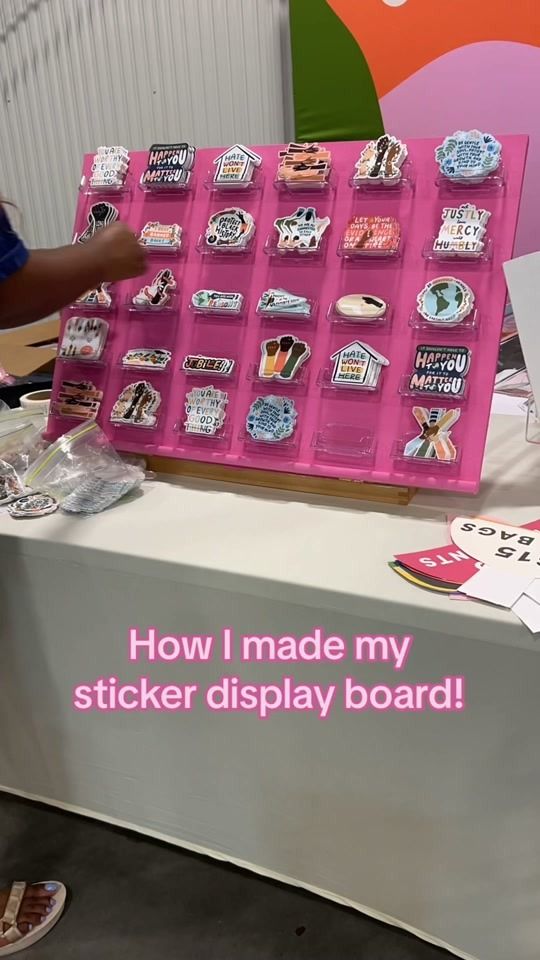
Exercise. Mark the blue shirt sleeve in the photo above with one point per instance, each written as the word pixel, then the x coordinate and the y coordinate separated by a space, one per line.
pixel 13 253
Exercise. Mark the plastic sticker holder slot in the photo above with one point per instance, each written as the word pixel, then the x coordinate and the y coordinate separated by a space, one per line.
pixel 346 442
pixel 295 254
pixel 172 253
pixel 422 463
pixel 55 410
pixel 492 183
pixel 144 309
pixel 324 381
pixel 217 313
pixel 457 256
pixel 287 449
pixel 106 190
pixel 469 324
pixel 426 395
pixel 320 188
pixel 144 369
pixel 243 187
pixel 92 307
pixel 339 320
pixel 388 187
pixel 298 384
pixel 382 255
pixel 96 364
pixel 220 439
pixel 178 190
pixel 225 251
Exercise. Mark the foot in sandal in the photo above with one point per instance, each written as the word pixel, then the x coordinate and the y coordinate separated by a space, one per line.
pixel 27 913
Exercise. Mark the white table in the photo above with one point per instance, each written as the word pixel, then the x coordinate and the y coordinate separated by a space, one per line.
pixel 427 820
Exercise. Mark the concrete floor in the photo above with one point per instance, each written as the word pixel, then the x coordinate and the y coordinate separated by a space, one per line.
pixel 140 900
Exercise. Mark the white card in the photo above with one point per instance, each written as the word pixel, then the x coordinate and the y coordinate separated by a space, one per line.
pixel 495 586
pixel 528 611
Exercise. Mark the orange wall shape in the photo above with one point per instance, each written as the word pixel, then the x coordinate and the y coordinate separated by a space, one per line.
pixel 398 41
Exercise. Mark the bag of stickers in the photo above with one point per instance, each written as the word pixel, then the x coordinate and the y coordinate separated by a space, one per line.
pixel 83 471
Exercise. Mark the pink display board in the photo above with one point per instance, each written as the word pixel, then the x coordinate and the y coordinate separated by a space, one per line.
pixel 340 432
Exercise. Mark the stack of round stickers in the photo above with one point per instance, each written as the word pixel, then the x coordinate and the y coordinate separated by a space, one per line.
pixel 271 418
pixel 109 167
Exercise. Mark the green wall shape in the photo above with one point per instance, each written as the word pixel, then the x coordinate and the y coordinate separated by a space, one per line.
pixel 334 94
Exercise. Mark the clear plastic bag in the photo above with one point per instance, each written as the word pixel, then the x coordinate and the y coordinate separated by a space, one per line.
pixel 83 471
pixel 20 445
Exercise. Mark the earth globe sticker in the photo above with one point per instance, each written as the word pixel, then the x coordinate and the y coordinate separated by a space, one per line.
pixel 468 155
pixel 445 301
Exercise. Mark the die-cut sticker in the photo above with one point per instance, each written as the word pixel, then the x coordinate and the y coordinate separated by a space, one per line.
pixel 231 228
pixel 217 300
pixel 281 359
pixel 201 364
pixel 302 230
pixel 304 163
pixel 159 236
pixel 271 419
pixel 468 154
pixel 440 369
pixel 205 410
pixel 381 160
pixel 236 165
pixel 100 215
pixel 84 338
pixel 156 358
pixel 32 505
pixel 361 306
pixel 445 301
pixel 109 167
pixel 277 300
pixel 80 399
pixel 157 293
pixel 371 234
pixel 98 297
pixel 168 165
pixel 433 443
pixel 137 405
pixel 462 230
pixel 358 365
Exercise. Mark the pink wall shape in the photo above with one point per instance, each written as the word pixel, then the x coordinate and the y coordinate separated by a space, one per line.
pixel 491 86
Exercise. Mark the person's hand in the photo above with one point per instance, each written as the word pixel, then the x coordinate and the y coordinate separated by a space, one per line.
pixel 118 252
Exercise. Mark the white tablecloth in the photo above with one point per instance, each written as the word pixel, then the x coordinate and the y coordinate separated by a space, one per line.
pixel 427 820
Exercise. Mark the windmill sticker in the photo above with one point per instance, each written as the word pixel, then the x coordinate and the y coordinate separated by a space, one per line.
pixel 433 443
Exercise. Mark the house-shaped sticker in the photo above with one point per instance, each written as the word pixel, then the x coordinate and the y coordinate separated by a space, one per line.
pixel 358 365
pixel 236 165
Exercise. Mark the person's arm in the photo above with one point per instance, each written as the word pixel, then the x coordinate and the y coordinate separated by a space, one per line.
pixel 40 282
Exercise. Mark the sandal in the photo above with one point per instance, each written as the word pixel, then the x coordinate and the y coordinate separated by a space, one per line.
pixel 20 941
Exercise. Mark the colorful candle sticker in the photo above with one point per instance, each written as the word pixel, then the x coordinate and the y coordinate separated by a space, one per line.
pixel 445 301
pixel 440 369
pixel 271 419
pixel 357 365
pixel 433 442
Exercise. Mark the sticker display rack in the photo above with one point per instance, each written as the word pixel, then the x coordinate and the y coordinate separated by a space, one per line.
pixel 343 433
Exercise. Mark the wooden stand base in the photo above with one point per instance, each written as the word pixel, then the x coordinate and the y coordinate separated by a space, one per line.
pixel 296 483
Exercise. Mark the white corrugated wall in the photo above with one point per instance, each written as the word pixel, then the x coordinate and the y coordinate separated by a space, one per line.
pixel 75 74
